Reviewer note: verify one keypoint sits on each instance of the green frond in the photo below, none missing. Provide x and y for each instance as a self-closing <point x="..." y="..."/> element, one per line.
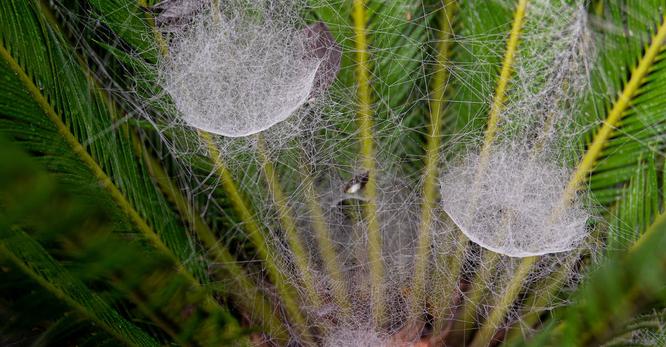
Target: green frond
<point x="257" y="236"/>
<point x="131" y="230"/>
<point x="125" y="19"/>
<point x="245" y="293"/>
<point x="477" y="57"/>
<point x="396" y="32"/>
<point x="636" y="128"/>
<point x="624" y="287"/>
<point x="637" y="206"/>
<point x="81" y="126"/>
<point x="88" y="253"/>
<point x="504" y="78"/>
<point x="243" y="209"/>
<point x="433" y="156"/>
<point x="258" y="303"/>
<point x="62" y="106"/>
<point x="36" y="262"/>
<point x="19" y="175"/>
<point x="367" y="156"/>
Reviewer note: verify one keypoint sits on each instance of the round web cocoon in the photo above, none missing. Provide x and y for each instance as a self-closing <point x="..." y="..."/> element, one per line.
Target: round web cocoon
<point x="348" y="337"/>
<point x="513" y="206"/>
<point x="235" y="76"/>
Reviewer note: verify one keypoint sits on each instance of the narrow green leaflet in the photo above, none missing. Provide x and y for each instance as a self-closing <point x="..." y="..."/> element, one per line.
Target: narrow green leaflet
<point x="51" y="107"/>
<point x="640" y="130"/>
<point x="32" y="258"/>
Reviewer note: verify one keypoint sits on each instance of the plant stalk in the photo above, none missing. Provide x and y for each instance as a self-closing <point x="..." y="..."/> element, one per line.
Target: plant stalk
<point x="104" y="180"/>
<point x="491" y="130"/>
<point x="327" y="249"/>
<point x="287" y="222"/>
<point x="285" y="291"/>
<point x="580" y="176"/>
<point x="365" y="124"/>
<point x="269" y="260"/>
<point x="428" y="206"/>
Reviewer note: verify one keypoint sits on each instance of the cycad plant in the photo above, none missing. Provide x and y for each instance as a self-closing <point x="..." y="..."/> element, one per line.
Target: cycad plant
<point x="332" y="172"/>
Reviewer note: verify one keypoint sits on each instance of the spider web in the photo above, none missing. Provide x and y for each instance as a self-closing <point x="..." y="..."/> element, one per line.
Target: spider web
<point x="251" y="70"/>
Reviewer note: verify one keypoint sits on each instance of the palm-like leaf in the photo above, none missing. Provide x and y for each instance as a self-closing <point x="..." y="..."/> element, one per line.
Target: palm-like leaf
<point x="424" y="80"/>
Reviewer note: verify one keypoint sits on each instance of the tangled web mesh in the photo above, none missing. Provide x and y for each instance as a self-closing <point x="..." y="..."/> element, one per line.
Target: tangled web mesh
<point x="513" y="207"/>
<point x="347" y="230"/>
<point x="240" y="74"/>
<point x="236" y="75"/>
<point x="510" y="199"/>
<point x="551" y="76"/>
<point x="355" y="337"/>
<point x="642" y="334"/>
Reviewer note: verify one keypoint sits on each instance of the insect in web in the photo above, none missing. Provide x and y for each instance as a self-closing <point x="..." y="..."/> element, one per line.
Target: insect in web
<point x="357" y="183"/>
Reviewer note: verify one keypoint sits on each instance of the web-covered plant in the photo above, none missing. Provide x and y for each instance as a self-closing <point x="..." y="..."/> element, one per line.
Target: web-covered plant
<point x="337" y="173"/>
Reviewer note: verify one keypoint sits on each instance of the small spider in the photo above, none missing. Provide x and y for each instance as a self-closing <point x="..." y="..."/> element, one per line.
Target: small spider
<point x="357" y="183"/>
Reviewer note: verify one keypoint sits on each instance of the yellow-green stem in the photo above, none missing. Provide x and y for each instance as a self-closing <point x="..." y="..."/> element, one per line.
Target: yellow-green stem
<point x="104" y="180"/>
<point x="161" y="43"/>
<point x="430" y="185"/>
<point x="503" y="81"/>
<point x="269" y="259"/>
<point x="173" y="195"/>
<point x="542" y="138"/>
<point x="288" y="224"/>
<point x="245" y="293"/>
<point x="599" y="8"/>
<point x="500" y="93"/>
<point x="536" y="302"/>
<point x="582" y="171"/>
<point x="491" y="130"/>
<point x="149" y="312"/>
<point x="487" y="331"/>
<point x="477" y="293"/>
<point x="261" y="246"/>
<point x="617" y="112"/>
<point x="326" y="248"/>
<point x="365" y="124"/>
<point x="445" y="286"/>
<point x="484" y="273"/>
<point x="534" y="305"/>
<point x="215" y="9"/>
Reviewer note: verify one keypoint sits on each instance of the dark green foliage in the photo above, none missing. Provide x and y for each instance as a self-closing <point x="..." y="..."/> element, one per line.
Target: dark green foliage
<point x="627" y="285"/>
<point x="642" y="127"/>
<point x="43" y="56"/>
<point x="96" y="271"/>
<point x="77" y="266"/>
